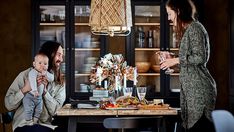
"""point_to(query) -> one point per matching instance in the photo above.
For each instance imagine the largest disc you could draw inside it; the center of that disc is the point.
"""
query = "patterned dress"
(198, 88)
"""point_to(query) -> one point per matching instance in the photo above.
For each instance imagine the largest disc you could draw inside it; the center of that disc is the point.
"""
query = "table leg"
(72, 124)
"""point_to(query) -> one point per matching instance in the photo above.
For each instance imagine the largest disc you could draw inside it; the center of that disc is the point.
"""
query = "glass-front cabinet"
(153, 33)
(68, 23)
(86, 49)
(147, 44)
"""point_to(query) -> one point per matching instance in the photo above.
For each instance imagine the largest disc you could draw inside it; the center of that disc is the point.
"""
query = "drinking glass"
(141, 92)
(127, 91)
(162, 58)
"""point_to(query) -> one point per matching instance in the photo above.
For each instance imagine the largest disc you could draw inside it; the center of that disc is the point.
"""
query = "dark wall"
(15, 44)
(217, 22)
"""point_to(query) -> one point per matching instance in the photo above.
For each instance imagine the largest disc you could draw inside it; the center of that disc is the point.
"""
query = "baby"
(32, 101)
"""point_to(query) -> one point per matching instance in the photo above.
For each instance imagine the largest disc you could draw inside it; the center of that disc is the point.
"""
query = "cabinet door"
(87, 51)
(147, 43)
(52, 26)
(174, 87)
(52, 23)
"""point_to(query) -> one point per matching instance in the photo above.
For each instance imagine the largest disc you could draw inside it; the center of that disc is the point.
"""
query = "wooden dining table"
(76, 115)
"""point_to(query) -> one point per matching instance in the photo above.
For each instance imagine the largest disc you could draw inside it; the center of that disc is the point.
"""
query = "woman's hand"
(169, 63)
(165, 54)
(26, 87)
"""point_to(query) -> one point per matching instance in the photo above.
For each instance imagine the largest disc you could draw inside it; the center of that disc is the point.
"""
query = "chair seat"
(223, 121)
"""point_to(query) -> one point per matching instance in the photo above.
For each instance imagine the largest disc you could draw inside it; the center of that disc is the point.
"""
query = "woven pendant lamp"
(111, 17)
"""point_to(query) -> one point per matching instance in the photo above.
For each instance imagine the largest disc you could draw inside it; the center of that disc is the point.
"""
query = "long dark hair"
(186, 13)
(50, 48)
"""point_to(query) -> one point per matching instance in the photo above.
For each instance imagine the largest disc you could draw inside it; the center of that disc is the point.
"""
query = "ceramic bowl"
(156, 68)
(142, 66)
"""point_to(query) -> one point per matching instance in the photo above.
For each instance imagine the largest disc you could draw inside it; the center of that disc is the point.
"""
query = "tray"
(122, 108)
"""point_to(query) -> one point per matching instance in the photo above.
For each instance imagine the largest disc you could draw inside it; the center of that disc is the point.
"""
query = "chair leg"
(175, 128)
(122, 130)
(164, 125)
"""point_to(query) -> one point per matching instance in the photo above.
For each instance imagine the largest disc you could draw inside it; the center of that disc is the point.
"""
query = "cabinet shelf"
(81, 74)
(149, 74)
(87, 49)
(174, 49)
(52, 24)
(81, 24)
(63, 24)
(147, 49)
(147, 24)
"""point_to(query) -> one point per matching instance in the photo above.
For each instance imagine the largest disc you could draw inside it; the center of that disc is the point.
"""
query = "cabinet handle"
(167, 48)
(162, 48)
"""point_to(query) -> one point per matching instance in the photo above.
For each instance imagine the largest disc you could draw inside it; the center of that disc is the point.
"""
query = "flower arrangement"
(108, 68)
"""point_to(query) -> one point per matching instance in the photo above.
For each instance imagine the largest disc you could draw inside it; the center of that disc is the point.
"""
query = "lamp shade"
(110, 17)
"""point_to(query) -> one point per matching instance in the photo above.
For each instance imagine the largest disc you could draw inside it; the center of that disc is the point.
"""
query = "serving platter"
(122, 108)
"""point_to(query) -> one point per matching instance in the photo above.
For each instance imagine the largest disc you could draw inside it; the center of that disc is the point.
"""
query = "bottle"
(156, 34)
(134, 90)
(140, 37)
(150, 39)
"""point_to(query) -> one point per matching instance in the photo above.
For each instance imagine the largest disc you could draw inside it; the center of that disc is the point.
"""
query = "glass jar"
(140, 37)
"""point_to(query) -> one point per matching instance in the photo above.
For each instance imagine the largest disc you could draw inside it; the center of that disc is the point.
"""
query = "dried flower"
(109, 67)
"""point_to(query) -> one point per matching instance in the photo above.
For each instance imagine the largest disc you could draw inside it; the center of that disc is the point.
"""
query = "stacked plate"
(47, 35)
(89, 62)
(90, 43)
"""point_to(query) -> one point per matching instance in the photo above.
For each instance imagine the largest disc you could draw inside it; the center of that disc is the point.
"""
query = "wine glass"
(127, 91)
(141, 92)
(162, 58)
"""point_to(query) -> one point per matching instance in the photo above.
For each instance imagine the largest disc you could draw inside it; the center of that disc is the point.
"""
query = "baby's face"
(41, 63)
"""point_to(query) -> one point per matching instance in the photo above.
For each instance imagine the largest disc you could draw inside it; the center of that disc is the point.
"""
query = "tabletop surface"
(66, 110)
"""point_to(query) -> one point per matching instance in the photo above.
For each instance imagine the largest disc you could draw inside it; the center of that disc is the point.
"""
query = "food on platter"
(154, 107)
(103, 104)
(127, 100)
(122, 108)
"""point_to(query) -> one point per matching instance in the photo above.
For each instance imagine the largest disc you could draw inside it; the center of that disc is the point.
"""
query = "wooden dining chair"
(122, 123)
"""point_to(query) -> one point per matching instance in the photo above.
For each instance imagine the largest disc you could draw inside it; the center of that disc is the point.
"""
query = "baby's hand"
(43, 73)
(36, 94)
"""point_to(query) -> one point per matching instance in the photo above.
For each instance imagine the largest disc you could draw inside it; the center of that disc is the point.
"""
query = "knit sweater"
(53, 100)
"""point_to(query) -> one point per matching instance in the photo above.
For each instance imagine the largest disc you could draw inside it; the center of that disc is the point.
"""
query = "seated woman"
(53, 94)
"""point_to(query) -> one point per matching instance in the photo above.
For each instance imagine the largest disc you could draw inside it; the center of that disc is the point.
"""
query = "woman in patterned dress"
(198, 88)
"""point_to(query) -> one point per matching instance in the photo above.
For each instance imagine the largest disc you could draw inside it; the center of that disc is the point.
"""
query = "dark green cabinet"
(67, 23)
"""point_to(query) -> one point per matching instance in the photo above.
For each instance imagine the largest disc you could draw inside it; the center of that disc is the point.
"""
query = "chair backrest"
(132, 122)
(7, 117)
(223, 121)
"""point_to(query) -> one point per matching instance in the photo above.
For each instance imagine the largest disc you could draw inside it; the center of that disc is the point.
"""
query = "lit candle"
(100, 80)
(125, 81)
(116, 81)
(99, 73)
(105, 84)
(135, 76)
